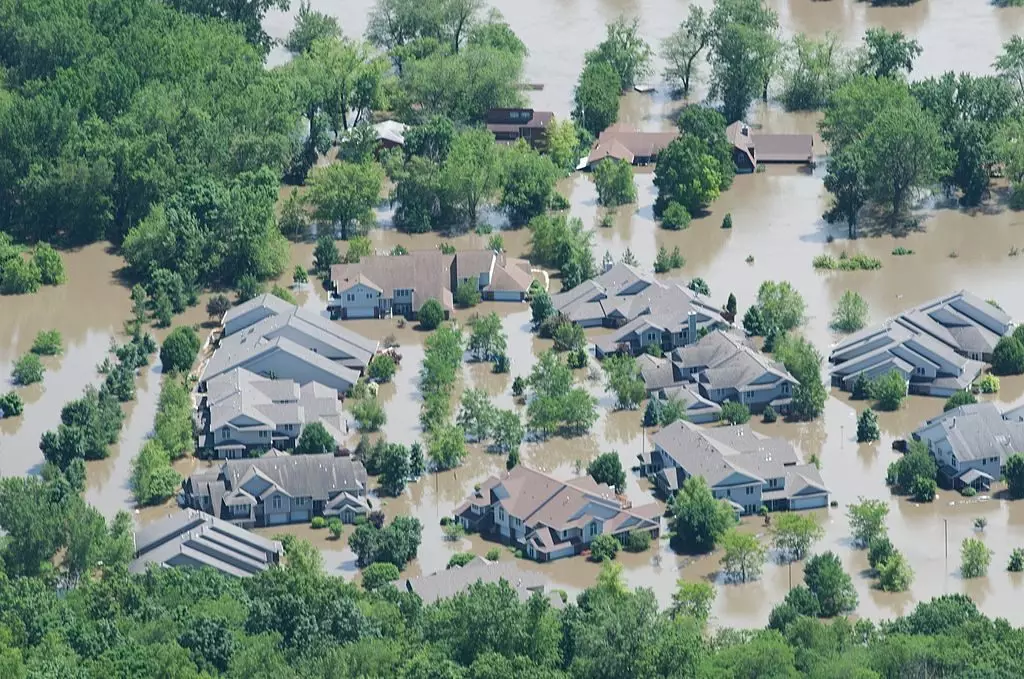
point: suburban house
(939, 347)
(751, 148)
(511, 124)
(390, 134)
(642, 309)
(279, 488)
(720, 367)
(970, 443)
(270, 337)
(452, 581)
(194, 539)
(550, 519)
(387, 285)
(747, 469)
(241, 412)
(622, 142)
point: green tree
(527, 182)
(683, 47)
(607, 468)
(625, 51)
(922, 489)
(916, 463)
(781, 306)
(686, 173)
(325, 254)
(830, 584)
(153, 480)
(394, 469)
(173, 427)
(744, 54)
(507, 431)
(487, 339)
(27, 370)
(692, 599)
(604, 548)
(596, 97)
(49, 264)
(309, 27)
(315, 440)
(368, 414)
(1016, 563)
(867, 427)
(381, 368)
(867, 520)
(1008, 357)
(1015, 475)
(793, 534)
(431, 314)
(472, 173)
(467, 294)
(415, 460)
(889, 390)
(974, 558)
(476, 414)
(447, 447)
(343, 196)
(623, 379)
(880, 548)
(218, 306)
(959, 398)
(48, 343)
(803, 361)
(541, 308)
(851, 312)
(11, 405)
(358, 247)
(179, 350)
(735, 413)
(846, 181)
(698, 519)
(613, 180)
(743, 556)
(816, 70)
(378, 575)
(888, 54)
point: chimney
(691, 326)
(745, 131)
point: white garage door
(360, 312)
(275, 519)
(300, 516)
(808, 502)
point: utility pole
(791, 575)
(945, 538)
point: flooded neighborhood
(777, 231)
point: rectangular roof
(448, 583)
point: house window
(300, 502)
(350, 297)
(501, 514)
(750, 490)
(592, 529)
(264, 433)
(785, 387)
(919, 371)
(276, 502)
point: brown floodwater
(776, 217)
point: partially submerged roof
(624, 142)
(448, 583)
(976, 431)
(427, 272)
(770, 148)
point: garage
(276, 519)
(300, 517)
(358, 312)
(811, 502)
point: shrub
(48, 343)
(988, 384)
(974, 558)
(1016, 564)
(49, 264)
(382, 368)
(867, 427)
(493, 554)
(558, 202)
(922, 489)
(675, 217)
(1008, 357)
(27, 370)
(959, 398)
(902, 251)
(735, 413)
(248, 287)
(318, 522)
(299, 275)
(369, 414)
(604, 548)
(431, 314)
(11, 405)
(179, 350)
(153, 479)
(727, 221)
(467, 294)
(638, 541)
(968, 491)
(769, 416)
(335, 526)
(218, 306)
(377, 575)
(889, 390)
(459, 559)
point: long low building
(751, 148)
(195, 539)
(747, 469)
(550, 519)
(278, 488)
(458, 579)
(939, 347)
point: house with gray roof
(939, 347)
(745, 468)
(278, 488)
(270, 337)
(386, 285)
(642, 310)
(550, 519)
(194, 539)
(458, 579)
(241, 412)
(970, 443)
(720, 367)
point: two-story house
(389, 285)
(511, 124)
(550, 519)
(278, 488)
(970, 443)
(939, 347)
(720, 367)
(241, 412)
(744, 468)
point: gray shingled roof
(316, 476)
(978, 431)
(273, 304)
(245, 348)
(448, 583)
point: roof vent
(745, 131)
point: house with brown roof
(622, 142)
(385, 285)
(744, 468)
(511, 124)
(751, 148)
(550, 519)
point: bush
(382, 368)
(675, 217)
(27, 370)
(960, 398)
(49, 265)
(1008, 357)
(11, 405)
(335, 526)
(467, 294)
(968, 491)
(638, 541)
(431, 314)
(19, 276)
(604, 548)
(180, 349)
(459, 559)
(769, 416)
(48, 343)
(867, 427)
(735, 413)
(218, 306)
(377, 575)
(283, 293)
(318, 522)
(1016, 564)
(889, 390)
(369, 414)
(988, 384)
(727, 221)
(902, 251)
(922, 489)
(248, 287)
(493, 554)
(299, 275)
(558, 202)
(153, 479)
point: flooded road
(777, 221)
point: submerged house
(720, 367)
(550, 519)
(622, 142)
(970, 443)
(511, 124)
(456, 580)
(642, 309)
(388, 285)
(278, 488)
(939, 347)
(747, 469)
(752, 148)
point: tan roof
(511, 277)
(770, 148)
(624, 142)
(473, 262)
(428, 272)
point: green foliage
(888, 54)
(153, 480)
(11, 405)
(218, 306)
(476, 414)
(687, 174)
(604, 548)
(683, 47)
(179, 350)
(446, 446)
(1016, 564)
(830, 584)
(867, 520)
(968, 491)
(343, 196)
(1015, 475)
(315, 440)
(1008, 357)
(472, 174)
(381, 368)
(845, 262)
(851, 312)
(637, 541)
(880, 548)
(467, 294)
(431, 314)
(325, 254)
(459, 559)
(867, 427)
(596, 97)
(613, 179)
(889, 390)
(922, 489)
(368, 413)
(988, 384)
(89, 426)
(318, 523)
(793, 534)
(743, 556)
(959, 398)
(607, 468)
(699, 286)
(975, 558)
(396, 543)
(901, 251)
(665, 262)
(507, 431)
(555, 404)
(561, 242)
(817, 69)
(172, 427)
(283, 293)
(541, 308)
(623, 379)
(49, 264)
(768, 415)
(698, 520)
(48, 343)
(803, 361)
(625, 51)
(780, 306)
(527, 183)
(745, 53)
(735, 413)
(27, 370)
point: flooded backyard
(777, 221)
